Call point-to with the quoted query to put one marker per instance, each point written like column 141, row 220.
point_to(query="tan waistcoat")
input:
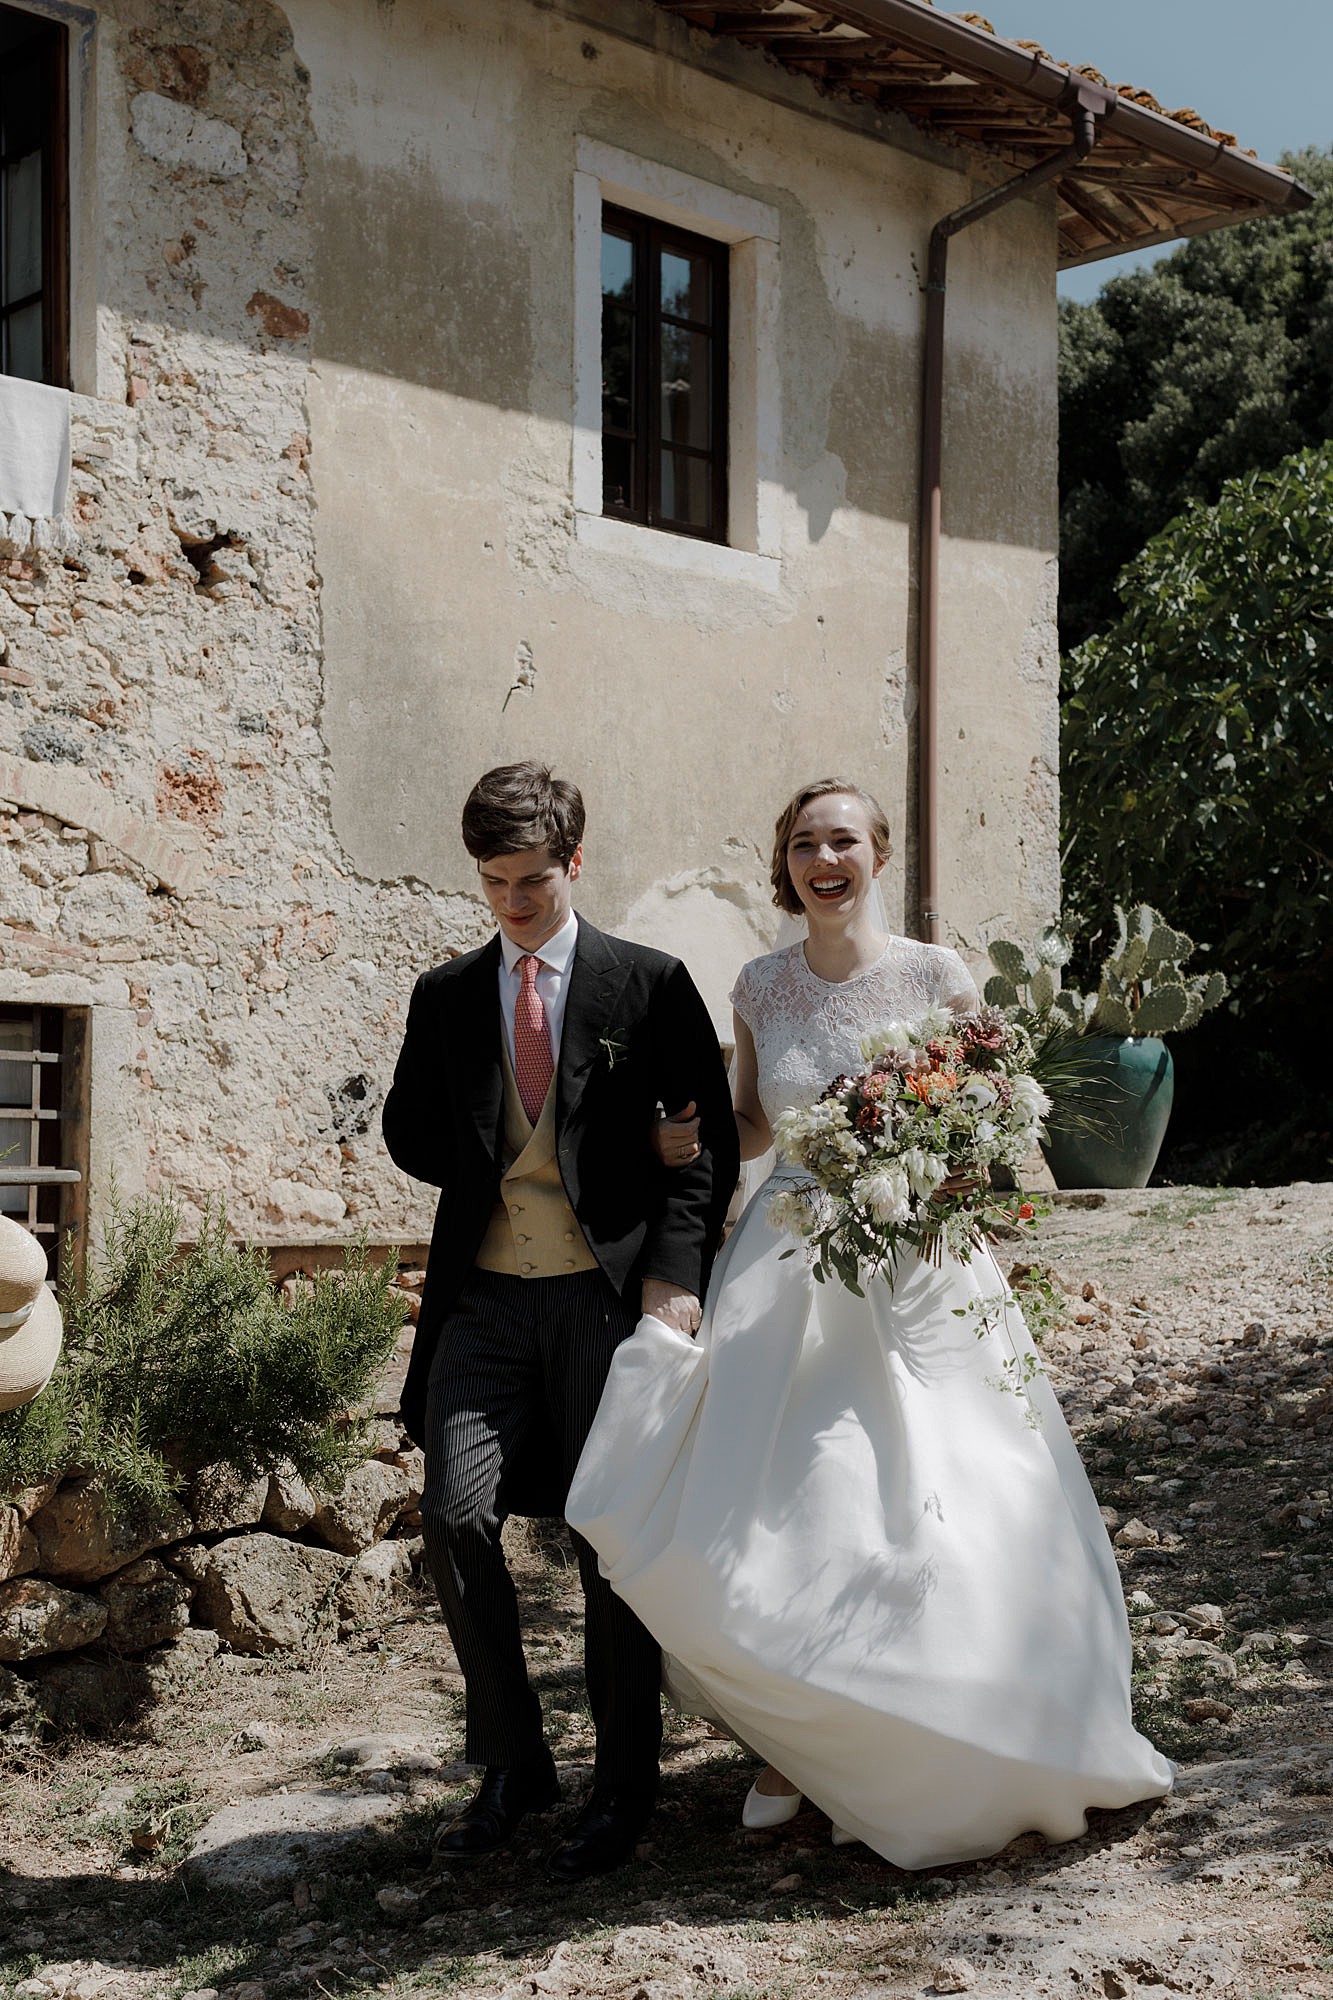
column 533, row 1231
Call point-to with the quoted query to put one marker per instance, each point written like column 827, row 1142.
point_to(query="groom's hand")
column 676, row 1136
column 669, row 1303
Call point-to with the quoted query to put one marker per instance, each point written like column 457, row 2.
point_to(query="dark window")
column 664, row 376
column 33, row 280
column 44, row 1123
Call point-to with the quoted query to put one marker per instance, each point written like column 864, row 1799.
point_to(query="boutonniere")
column 613, row 1048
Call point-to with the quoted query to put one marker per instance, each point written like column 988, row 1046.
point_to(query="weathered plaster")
column 328, row 569
column 686, row 703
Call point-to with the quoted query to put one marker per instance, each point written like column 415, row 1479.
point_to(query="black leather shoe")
column 604, row 1834
column 490, row 1819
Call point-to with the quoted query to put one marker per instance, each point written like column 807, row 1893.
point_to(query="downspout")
column 1085, row 103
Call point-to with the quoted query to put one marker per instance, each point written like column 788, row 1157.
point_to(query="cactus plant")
column 1143, row 989
column 1097, row 1055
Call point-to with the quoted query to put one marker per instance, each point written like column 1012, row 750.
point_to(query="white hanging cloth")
column 34, row 465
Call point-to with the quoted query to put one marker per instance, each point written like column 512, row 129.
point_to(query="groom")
column 525, row 1091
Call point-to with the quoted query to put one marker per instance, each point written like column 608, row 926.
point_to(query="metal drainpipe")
column 1085, row 104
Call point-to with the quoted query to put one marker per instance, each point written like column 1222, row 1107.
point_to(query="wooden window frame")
column 53, row 1101
column 55, row 201
column 650, row 236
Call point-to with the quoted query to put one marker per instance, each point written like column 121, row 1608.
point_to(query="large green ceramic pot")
column 1123, row 1098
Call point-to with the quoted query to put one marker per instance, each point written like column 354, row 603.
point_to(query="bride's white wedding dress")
column 878, row 1567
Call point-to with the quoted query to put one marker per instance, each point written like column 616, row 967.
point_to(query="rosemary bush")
column 175, row 1359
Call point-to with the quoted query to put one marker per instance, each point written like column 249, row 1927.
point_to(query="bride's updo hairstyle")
column 784, row 889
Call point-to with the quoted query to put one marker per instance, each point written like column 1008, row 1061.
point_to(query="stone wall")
column 166, row 852
column 103, row 1606
column 327, row 569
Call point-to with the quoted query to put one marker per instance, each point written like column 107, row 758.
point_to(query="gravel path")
column 1191, row 1341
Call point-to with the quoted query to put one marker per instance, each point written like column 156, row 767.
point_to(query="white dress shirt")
column 557, row 959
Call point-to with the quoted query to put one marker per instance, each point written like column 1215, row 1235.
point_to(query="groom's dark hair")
column 517, row 807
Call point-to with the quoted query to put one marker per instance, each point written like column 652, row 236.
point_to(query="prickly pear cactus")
column 1143, row 989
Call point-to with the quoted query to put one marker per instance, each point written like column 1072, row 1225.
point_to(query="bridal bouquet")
column 947, row 1096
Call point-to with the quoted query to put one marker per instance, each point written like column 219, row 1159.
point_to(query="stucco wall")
column 441, row 407
column 323, row 482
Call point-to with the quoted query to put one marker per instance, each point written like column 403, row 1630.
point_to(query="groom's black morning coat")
column 635, row 1033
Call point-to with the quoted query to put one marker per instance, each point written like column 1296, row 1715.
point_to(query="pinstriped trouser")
column 515, row 1353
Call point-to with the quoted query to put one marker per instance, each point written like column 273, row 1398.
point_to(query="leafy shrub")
column 1217, row 361
column 1197, row 741
column 175, row 1359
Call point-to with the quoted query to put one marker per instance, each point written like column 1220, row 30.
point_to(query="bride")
column 863, row 1555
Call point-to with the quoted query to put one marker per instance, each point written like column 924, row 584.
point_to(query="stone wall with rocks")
column 166, row 851
column 102, row 1608
column 329, row 565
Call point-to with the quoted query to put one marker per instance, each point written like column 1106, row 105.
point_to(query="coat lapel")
column 596, row 980
column 476, row 1054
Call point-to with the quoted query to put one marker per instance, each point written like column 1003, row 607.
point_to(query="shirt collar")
column 556, row 952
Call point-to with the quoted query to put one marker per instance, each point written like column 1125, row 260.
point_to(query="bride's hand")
column 676, row 1139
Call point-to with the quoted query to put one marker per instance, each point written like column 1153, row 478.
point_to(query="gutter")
column 1087, row 104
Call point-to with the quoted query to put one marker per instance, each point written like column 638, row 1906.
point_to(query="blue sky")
column 1264, row 72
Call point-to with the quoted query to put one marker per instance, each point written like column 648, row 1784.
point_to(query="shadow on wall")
column 388, row 270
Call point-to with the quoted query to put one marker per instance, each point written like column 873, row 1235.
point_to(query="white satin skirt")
column 870, row 1556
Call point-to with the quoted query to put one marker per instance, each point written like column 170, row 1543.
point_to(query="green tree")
column 1198, row 737
column 1215, row 362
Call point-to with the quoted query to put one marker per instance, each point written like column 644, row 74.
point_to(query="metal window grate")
column 41, row 1119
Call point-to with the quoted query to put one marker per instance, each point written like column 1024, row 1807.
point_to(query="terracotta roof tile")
column 1154, row 174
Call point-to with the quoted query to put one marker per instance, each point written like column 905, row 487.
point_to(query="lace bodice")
column 807, row 1030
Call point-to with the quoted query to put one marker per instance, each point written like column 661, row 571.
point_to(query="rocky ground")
column 265, row 1831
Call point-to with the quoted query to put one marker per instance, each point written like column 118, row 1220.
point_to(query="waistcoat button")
column 527, row 1267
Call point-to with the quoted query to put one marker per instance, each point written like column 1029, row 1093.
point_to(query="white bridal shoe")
column 842, row 1838
column 769, row 1808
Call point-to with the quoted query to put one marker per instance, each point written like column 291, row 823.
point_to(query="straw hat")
column 30, row 1327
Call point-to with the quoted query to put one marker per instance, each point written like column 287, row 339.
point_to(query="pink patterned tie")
column 533, row 1067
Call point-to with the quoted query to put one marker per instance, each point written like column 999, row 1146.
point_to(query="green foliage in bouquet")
column 1143, row 989
column 175, row 1359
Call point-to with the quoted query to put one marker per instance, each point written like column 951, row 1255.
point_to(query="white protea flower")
column 1029, row 1099
column 936, row 1021
column 886, row 1193
column 894, row 1038
column 924, row 1171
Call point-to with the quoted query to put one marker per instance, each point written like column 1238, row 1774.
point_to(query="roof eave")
column 1245, row 188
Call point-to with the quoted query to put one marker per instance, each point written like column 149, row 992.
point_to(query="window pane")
column 23, row 227
column 617, row 267
column 25, row 102
column 23, row 344
column 617, row 472
column 685, row 386
column 686, row 490
column 617, row 368
column 686, row 285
